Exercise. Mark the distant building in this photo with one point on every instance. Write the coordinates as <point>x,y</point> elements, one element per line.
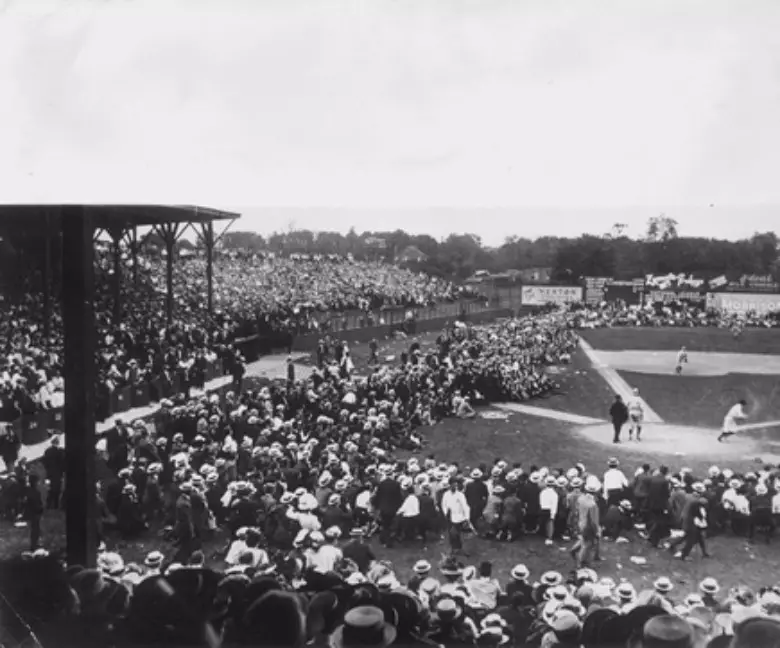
<point>534,275</point>
<point>411,254</point>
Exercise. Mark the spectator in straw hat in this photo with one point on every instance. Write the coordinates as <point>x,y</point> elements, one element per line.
<point>363,627</point>
<point>519,584</point>
<point>586,547</point>
<point>667,632</point>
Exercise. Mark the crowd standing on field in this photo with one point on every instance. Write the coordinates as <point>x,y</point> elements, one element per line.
<point>301,476</point>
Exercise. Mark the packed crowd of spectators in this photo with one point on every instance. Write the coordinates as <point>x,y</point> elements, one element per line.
<point>677,314</point>
<point>253,295</point>
<point>450,604</point>
<point>299,568</point>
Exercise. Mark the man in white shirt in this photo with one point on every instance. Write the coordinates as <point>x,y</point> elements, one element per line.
<point>732,419</point>
<point>615,483</point>
<point>636,414</point>
<point>409,513</point>
<point>548,503</point>
<point>457,512</point>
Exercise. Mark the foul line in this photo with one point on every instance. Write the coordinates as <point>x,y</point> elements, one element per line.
<point>616,383</point>
<point>758,426</point>
<point>546,413</point>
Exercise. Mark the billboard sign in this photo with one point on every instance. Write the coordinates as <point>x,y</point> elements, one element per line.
<point>542,295</point>
<point>669,296</point>
<point>595,288</point>
<point>741,303</point>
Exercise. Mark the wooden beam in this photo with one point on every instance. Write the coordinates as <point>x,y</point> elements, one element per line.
<point>78,302</point>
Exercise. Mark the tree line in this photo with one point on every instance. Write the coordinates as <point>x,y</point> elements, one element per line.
<point>660,251</point>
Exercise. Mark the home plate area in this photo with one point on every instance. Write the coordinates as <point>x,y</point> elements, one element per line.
<point>688,441</point>
<point>686,412</point>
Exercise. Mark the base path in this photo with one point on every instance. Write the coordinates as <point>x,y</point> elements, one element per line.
<point>566,417</point>
<point>271,367</point>
<point>749,444</point>
<point>616,383</point>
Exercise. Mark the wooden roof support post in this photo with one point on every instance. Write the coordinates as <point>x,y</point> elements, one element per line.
<point>116,234</point>
<point>78,302</point>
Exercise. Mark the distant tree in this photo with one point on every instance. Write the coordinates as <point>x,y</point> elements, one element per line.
<point>587,256</point>
<point>618,231</point>
<point>243,240</point>
<point>661,228</point>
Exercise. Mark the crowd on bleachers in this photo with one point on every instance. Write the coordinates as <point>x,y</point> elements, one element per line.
<point>270,297</point>
<point>678,314</point>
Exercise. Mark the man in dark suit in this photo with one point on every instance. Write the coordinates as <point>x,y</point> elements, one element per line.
<point>54,463</point>
<point>357,550</point>
<point>619,415</point>
<point>657,503</point>
<point>387,500</point>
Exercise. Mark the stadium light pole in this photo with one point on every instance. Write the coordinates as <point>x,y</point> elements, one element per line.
<point>78,307</point>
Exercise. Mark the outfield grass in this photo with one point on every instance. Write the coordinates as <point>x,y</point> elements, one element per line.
<point>671,339</point>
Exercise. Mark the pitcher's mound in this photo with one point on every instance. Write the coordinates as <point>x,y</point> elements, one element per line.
<point>682,440</point>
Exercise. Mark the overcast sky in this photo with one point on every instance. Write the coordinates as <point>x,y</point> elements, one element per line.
<point>595,110</point>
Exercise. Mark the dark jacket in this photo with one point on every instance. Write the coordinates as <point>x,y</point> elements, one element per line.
<point>658,491</point>
<point>388,497</point>
<point>618,412</point>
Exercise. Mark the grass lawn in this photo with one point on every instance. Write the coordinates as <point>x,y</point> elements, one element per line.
<point>671,339</point>
<point>582,390</point>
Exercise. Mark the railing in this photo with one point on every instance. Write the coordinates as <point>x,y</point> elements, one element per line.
<point>36,428</point>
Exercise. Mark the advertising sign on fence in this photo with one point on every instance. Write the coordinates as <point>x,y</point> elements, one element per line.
<point>541,295</point>
<point>627,291</point>
<point>752,284</point>
<point>595,288</point>
<point>741,303</point>
<point>669,296</point>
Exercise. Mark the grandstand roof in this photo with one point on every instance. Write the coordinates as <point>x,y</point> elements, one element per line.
<point>33,217</point>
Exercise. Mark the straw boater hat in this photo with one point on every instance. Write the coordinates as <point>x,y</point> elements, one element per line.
<point>154,560</point>
<point>520,572</point>
<point>709,586</point>
<point>551,578</point>
<point>363,626</point>
<point>663,585</point>
<point>422,567</point>
<point>626,592</point>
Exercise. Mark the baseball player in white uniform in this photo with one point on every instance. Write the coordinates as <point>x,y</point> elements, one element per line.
<point>732,419</point>
<point>636,415</point>
<point>682,358</point>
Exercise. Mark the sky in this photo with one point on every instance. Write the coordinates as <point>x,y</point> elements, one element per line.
<point>497,117</point>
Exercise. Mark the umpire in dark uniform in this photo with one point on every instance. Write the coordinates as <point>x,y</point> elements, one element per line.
<point>619,415</point>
